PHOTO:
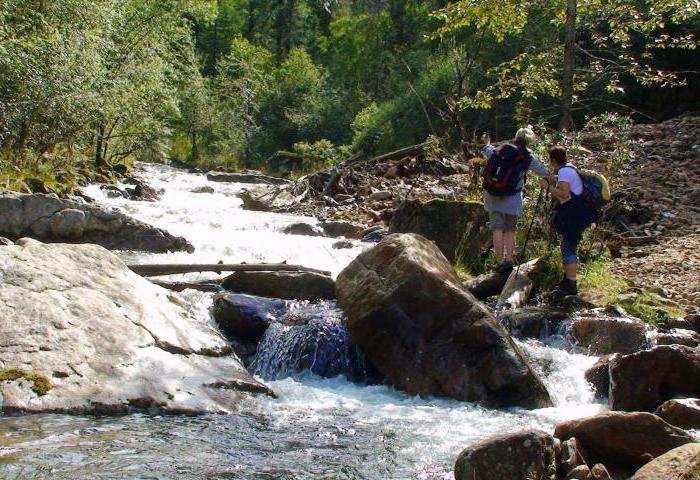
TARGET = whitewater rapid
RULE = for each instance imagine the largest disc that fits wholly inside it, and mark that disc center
(317, 428)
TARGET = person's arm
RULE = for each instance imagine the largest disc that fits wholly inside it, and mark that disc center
(560, 190)
(537, 167)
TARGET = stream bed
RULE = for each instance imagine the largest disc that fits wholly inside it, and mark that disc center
(318, 428)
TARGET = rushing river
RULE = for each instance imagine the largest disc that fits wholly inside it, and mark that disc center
(317, 428)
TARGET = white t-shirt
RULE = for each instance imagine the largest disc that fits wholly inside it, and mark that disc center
(570, 175)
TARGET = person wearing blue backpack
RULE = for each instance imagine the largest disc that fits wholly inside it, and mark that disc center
(503, 178)
(574, 211)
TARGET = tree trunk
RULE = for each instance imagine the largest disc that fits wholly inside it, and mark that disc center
(195, 153)
(175, 268)
(99, 159)
(566, 121)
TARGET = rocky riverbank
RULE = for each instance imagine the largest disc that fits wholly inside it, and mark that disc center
(49, 218)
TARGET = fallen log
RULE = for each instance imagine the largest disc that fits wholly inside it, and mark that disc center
(177, 268)
(520, 283)
(203, 286)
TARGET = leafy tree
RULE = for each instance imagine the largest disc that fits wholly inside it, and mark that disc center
(596, 44)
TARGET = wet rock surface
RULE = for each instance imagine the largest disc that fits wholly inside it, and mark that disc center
(49, 218)
(426, 333)
(682, 463)
(599, 376)
(643, 381)
(310, 337)
(523, 455)
(284, 285)
(626, 440)
(602, 334)
(106, 340)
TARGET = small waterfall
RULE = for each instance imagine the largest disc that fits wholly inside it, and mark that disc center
(310, 337)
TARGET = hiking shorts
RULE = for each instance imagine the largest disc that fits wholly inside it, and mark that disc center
(502, 221)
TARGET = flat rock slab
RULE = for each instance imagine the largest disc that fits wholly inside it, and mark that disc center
(644, 380)
(428, 335)
(107, 340)
(52, 219)
(624, 439)
(245, 178)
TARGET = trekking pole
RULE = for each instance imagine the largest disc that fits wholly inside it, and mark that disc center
(529, 230)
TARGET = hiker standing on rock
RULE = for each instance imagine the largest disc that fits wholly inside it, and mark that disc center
(571, 215)
(503, 180)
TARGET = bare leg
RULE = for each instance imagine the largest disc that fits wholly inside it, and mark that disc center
(570, 269)
(509, 244)
(498, 245)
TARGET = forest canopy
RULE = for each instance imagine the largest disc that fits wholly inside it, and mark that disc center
(90, 84)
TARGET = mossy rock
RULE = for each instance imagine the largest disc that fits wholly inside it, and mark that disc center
(457, 227)
(41, 386)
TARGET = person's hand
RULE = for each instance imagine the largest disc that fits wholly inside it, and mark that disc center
(486, 138)
(544, 183)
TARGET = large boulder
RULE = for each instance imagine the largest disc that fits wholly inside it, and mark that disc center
(426, 333)
(527, 455)
(602, 335)
(622, 439)
(682, 463)
(286, 285)
(458, 228)
(266, 198)
(83, 334)
(341, 228)
(52, 219)
(681, 412)
(644, 380)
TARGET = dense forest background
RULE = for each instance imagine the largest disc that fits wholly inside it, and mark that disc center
(245, 83)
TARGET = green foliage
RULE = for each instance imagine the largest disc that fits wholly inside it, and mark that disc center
(41, 386)
(318, 155)
(649, 307)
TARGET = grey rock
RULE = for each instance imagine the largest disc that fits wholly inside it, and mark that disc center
(426, 333)
(69, 224)
(301, 228)
(50, 219)
(107, 340)
(342, 229)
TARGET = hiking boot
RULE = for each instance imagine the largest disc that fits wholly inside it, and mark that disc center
(504, 268)
(566, 287)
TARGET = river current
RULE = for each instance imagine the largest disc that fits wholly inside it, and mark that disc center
(318, 428)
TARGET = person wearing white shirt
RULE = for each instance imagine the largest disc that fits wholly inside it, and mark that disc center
(572, 215)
